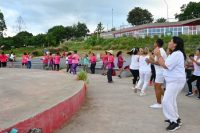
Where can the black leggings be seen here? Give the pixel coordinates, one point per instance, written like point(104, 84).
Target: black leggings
point(192, 79)
point(92, 68)
point(153, 71)
point(57, 67)
point(135, 74)
point(69, 68)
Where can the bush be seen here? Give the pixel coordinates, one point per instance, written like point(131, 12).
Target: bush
point(37, 53)
point(82, 75)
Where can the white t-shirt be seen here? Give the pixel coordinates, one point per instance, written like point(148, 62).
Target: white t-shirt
point(175, 67)
point(159, 69)
point(143, 65)
point(66, 60)
point(12, 56)
point(134, 62)
point(196, 67)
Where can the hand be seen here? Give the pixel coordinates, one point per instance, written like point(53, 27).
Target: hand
point(157, 52)
point(192, 59)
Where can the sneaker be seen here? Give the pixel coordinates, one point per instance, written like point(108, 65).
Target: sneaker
point(156, 106)
point(173, 127)
point(178, 121)
point(119, 76)
point(189, 94)
point(142, 93)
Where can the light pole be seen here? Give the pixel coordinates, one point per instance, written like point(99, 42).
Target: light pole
point(112, 18)
point(167, 10)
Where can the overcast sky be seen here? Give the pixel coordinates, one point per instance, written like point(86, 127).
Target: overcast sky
point(40, 15)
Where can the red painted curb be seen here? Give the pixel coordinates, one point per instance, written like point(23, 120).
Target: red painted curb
point(53, 118)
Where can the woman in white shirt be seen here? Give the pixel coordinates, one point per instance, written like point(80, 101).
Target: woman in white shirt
point(144, 70)
point(134, 66)
point(175, 77)
point(196, 74)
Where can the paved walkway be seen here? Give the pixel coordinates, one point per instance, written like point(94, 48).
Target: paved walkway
point(115, 108)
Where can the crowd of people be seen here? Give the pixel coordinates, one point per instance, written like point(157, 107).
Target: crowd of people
point(169, 71)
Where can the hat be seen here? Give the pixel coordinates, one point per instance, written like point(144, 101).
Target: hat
point(110, 51)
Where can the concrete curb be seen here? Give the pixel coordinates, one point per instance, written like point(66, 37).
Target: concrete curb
point(53, 118)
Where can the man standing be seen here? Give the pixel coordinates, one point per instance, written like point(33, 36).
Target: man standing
point(159, 74)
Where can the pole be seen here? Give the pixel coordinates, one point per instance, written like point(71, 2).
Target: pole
point(167, 10)
point(112, 17)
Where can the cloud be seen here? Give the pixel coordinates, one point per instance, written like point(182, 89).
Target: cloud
point(40, 15)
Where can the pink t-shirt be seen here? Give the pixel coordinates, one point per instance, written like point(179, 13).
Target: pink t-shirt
point(75, 59)
point(70, 59)
point(4, 58)
point(105, 59)
point(120, 61)
point(45, 59)
point(24, 59)
point(110, 61)
point(93, 59)
point(57, 59)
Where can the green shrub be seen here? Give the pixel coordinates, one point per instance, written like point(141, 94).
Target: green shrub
point(82, 75)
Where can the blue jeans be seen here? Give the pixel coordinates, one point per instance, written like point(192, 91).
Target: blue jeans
point(29, 65)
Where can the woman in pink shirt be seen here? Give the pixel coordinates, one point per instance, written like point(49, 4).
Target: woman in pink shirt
point(110, 66)
point(120, 63)
point(51, 64)
point(75, 61)
point(93, 61)
point(4, 59)
point(45, 60)
point(57, 61)
point(24, 60)
point(104, 64)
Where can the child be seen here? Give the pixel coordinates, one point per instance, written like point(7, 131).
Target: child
point(85, 62)
point(29, 61)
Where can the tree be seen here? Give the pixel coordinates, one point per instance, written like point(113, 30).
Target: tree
point(23, 39)
point(189, 11)
point(99, 28)
point(2, 24)
point(39, 40)
point(161, 20)
point(56, 34)
point(70, 32)
point(139, 16)
point(81, 30)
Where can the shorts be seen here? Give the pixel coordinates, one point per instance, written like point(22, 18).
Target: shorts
point(159, 78)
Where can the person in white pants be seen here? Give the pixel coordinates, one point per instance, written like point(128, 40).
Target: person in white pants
point(144, 71)
point(159, 74)
point(175, 77)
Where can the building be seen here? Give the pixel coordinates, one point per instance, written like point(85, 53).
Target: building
point(188, 27)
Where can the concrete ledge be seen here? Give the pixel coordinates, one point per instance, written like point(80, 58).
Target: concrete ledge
point(53, 117)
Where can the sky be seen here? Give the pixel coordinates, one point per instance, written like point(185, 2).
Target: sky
point(40, 15)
